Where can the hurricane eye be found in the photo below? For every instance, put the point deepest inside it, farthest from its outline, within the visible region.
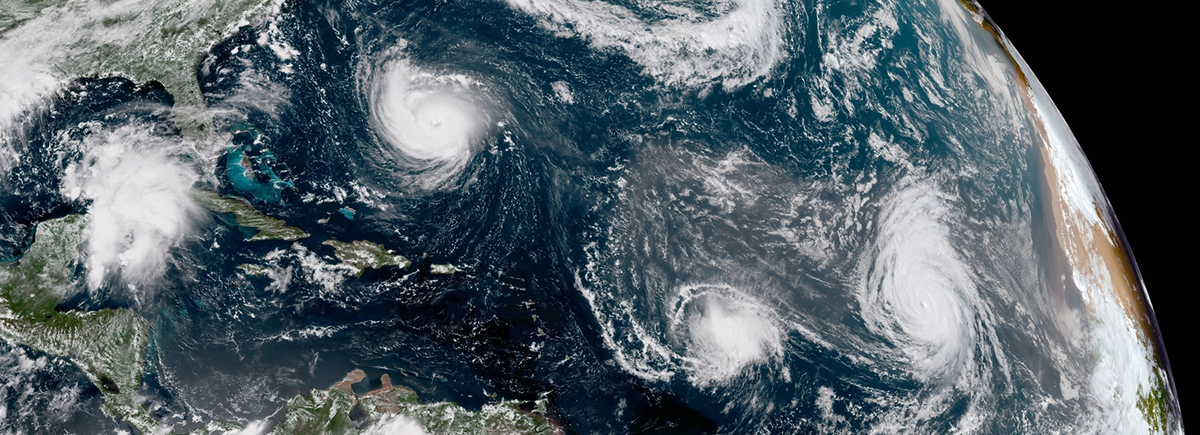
(431, 123)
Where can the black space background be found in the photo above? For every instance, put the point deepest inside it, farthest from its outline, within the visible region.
(1117, 76)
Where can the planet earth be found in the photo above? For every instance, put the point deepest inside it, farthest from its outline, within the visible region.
(553, 216)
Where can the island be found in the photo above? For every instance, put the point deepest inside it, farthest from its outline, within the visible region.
(253, 269)
(442, 269)
(339, 410)
(245, 216)
(361, 255)
(109, 346)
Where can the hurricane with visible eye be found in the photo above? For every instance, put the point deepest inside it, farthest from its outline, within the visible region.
(668, 216)
(430, 123)
(918, 291)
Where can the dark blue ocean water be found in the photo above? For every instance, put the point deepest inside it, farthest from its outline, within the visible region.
(543, 229)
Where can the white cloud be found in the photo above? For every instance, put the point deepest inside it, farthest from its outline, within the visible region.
(139, 203)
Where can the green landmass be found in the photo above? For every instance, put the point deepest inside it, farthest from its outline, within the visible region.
(161, 40)
(253, 269)
(339, 411)
(108, 345)
(246, 216)
(1153, 405)
(362, 255)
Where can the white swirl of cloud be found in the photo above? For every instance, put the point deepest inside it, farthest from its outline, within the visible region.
(918, 293)
(715, 334)
(432, 121)
(726, 331)
(137, 188)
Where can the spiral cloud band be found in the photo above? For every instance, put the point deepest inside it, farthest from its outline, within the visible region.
(430, 120)
(726, 330)
(919, 294)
